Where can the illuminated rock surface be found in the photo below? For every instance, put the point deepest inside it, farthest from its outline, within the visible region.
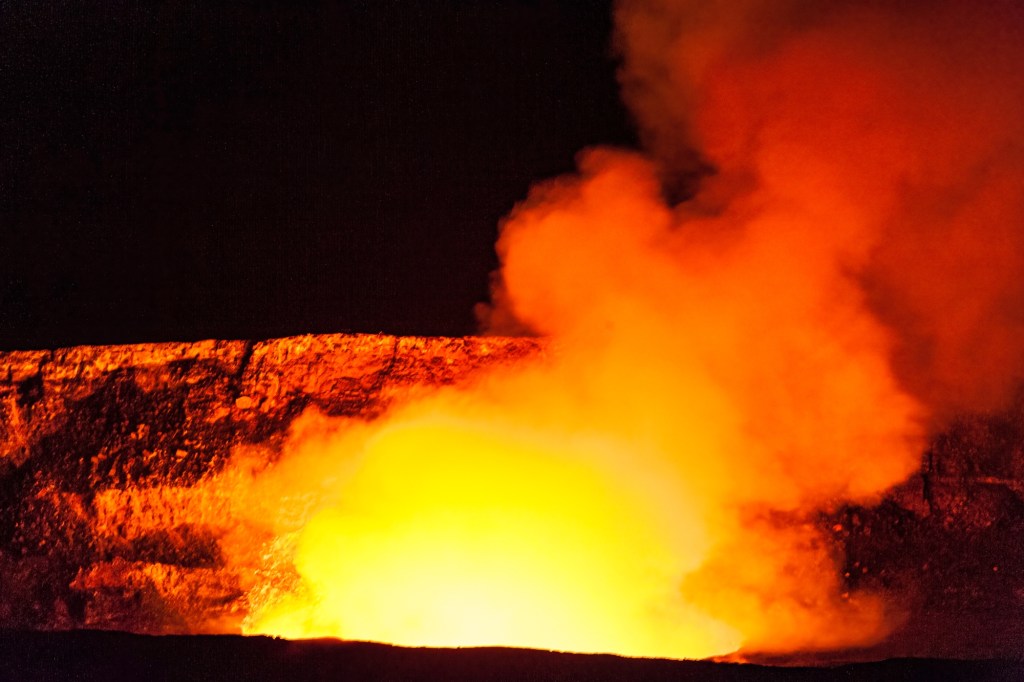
(104, 523)
(99, 444)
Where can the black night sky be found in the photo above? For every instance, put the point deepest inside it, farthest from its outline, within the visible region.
(186, 169)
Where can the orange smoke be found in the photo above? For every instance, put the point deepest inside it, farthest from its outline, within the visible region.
(724, 368)
(910, 113)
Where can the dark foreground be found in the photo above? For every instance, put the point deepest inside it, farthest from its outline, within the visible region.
(94, 655)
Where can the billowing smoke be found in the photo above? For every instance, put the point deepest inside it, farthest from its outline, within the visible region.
(901, 121)
(758, 318)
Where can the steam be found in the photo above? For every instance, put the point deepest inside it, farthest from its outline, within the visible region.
(843, 275)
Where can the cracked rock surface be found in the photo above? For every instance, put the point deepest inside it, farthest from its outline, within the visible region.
(84, 430)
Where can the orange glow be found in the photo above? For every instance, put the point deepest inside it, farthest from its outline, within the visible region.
(493, 536)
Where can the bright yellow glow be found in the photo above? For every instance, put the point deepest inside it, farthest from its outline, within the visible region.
(487, 537)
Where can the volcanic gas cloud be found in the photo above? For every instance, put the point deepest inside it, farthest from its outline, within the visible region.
(813, 263)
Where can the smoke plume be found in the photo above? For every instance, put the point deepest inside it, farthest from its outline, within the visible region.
(841, 276)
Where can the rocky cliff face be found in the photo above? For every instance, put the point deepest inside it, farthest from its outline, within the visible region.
(103, 521)
(112, 514)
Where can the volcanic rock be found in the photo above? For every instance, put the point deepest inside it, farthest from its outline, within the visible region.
(105, 520)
